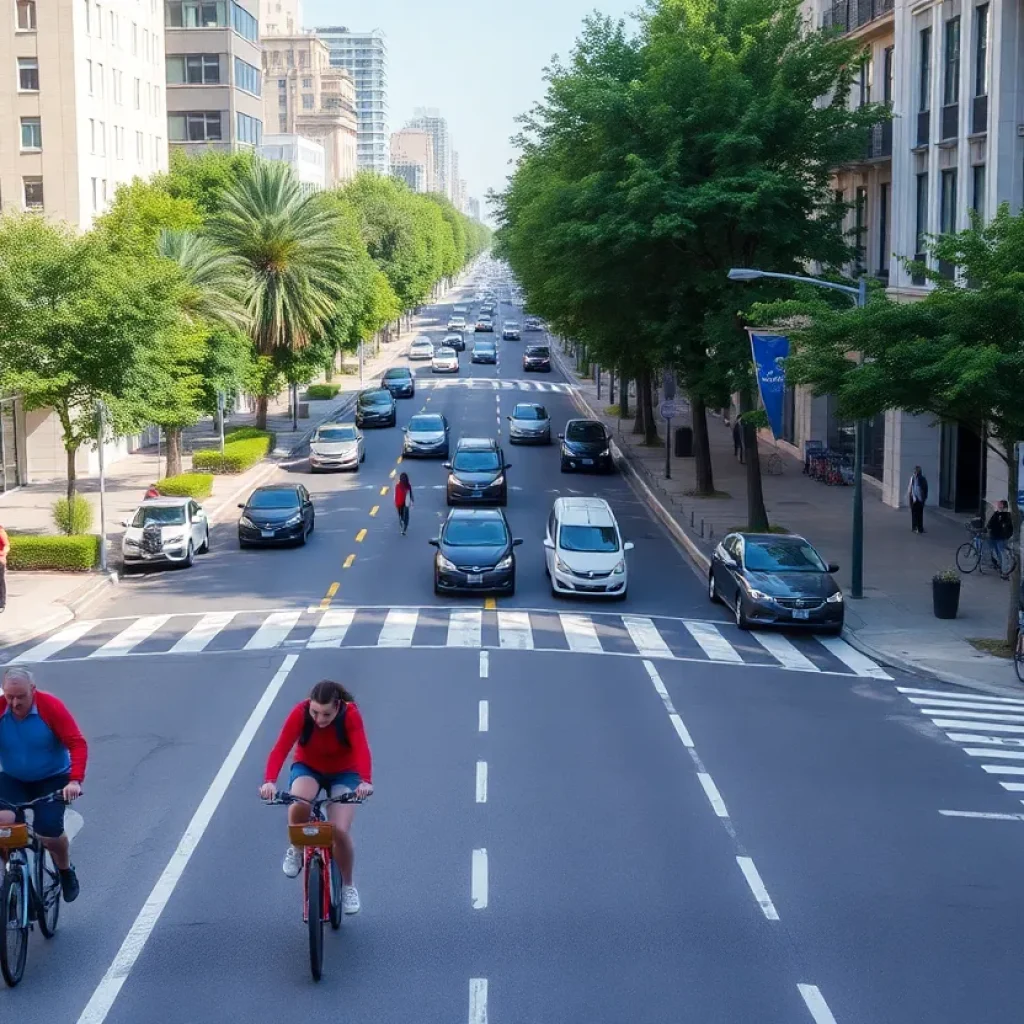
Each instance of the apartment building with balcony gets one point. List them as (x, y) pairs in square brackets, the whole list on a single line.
[(305, 95), (429, 120), (412, 159), (214, 77)]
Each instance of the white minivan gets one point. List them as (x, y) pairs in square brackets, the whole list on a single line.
[(583, 549)]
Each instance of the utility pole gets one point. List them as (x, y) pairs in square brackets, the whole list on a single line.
[(101, 436)]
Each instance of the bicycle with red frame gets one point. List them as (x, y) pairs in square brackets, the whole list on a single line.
[(321, 878)]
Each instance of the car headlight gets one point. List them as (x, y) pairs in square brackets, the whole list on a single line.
[(505, 563), (757, 595), (293, 520), (131, 543), (246, 521), (497, 481), (605, 453), (620, 568), (444, 563), (836, 598), (561, 566)]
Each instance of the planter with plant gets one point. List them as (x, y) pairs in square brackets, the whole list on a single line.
[(946, 594)]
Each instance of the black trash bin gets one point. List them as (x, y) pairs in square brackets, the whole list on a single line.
[(684, 442)]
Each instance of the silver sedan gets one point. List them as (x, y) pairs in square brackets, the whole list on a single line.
[(529, 424)]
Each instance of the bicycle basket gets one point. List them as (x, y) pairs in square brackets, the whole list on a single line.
[(312, 833), (977, 523), (13, 837)]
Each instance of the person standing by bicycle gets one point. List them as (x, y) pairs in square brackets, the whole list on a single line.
[(403, 501), (332, 754), (1000, 530), (42, 750)]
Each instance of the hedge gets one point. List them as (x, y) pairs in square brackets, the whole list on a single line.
[(322, 392), (73, 554), (187, 485), (243, 448)]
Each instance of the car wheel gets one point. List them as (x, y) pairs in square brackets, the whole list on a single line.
[(437, 589), (205, 548), (127, 569), (564, 467), (512, 589), (394, 420), (362, 458), (622, 596), (713, 589), (741, 618), (547, 571), (242, 543), (834, 631), (190, 556)]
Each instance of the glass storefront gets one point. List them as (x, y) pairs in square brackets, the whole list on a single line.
[(11, 419), (842, 436)]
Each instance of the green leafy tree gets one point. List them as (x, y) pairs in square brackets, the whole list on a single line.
[(203, 179)]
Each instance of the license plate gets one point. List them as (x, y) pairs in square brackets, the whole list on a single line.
[(478, 494), (267, 533), (588, 462), (475, 577), (801, 613)]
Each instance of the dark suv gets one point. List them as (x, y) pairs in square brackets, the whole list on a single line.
[(477, 473), (399, 381), (586, 445)]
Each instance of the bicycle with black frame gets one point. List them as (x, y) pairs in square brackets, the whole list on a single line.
[(971, 554)]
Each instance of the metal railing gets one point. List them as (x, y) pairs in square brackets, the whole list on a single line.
[(847, 15)]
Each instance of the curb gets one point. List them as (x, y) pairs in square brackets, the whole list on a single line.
[(66, 611)]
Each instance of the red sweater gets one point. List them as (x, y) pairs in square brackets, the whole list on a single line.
[(400, 492), (55, 714), (323, 753)]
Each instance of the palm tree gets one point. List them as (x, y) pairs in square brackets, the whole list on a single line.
[(292, 257)]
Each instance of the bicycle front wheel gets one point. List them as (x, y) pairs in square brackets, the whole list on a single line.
[(315, 916), (14, 947), (1018, 657), (47, 886), (336, 914), (967, 557)]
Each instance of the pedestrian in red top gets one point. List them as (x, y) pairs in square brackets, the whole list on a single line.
[(5, 548), (403, 500), (331, 754)]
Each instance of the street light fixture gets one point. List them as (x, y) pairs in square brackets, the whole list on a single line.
[(859, 294)]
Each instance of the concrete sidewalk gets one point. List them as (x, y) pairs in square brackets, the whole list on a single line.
[(894, 622)]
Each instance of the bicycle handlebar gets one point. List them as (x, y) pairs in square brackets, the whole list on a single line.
[(57, 795), (290, 798)]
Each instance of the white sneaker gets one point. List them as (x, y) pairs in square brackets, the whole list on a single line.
[(350, 899), (292, 862)]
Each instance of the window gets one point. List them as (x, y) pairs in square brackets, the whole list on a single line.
[(307, 83), (118, 92), (99, 80), (244, 23), (101, 138), (95, 195), (860, 229), (921, 229), (981, 51), (26, 15), (889, 71), (33, 190), (925, 61), (951, 83), (88, 17), (978, 191), (138, 93), (139, 144), (247, 78), (307, 101), (283, 123), (92, 135), (99, 22), (113, 29), (250, 130), (88, 70), (883, 229), (195, 13), (135, 38), (194, 69), (118, 142), (282, 84), (28, 74), (867, 76), (157, 144), (947, 211), (202, 126), (31, 133)]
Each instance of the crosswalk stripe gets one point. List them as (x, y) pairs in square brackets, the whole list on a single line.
[(712, 643), (998, 741), (56, 643), (852, 658), (398, 628), (1002, 769), (1010, 755), (785, 653), (199, 636), (580, 633), (645, 636), (273, 632), (465, 627), (334, 624), (967, 705), (1013, 787), (514, 632), (985, 716), (953, 695), (956, 723), (122, 644)]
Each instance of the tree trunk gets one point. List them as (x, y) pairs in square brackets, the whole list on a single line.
[(638, 423), (703, 471), (650, 424), (1012, 484), (757, 515), (261, 412), (329, 370), (173, 438), (70, 453), (623, 396)]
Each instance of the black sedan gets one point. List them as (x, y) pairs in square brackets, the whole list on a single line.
[(475, 552), (775, 579), (477, 474), (426, 435), (277, 514), (484, 352), (376, 408), (399, 381), (537, 357), (586, 445), (454, 340)]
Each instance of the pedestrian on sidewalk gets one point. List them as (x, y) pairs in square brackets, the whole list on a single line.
[(5, 547), (917, 495), (737, 439), (403, 501), (1000, 530)]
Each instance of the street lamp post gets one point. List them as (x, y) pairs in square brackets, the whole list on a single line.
[(859, 294)]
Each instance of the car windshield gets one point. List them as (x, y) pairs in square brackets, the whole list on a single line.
[(376, 398), (160, 515), (589, 538), (476, 462), (399, 373), (445, 353), (537, 350), (274, 499), (464, 533), (511, 323), (483, 346), (529, 412), (421, 424), (782, 556), (336, 434), (585, 432)]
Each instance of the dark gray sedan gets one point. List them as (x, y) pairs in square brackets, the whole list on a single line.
[(529, 424), (475, 553)]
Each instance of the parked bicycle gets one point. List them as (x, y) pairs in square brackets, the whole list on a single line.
[(30, 892), (972, 554), (321, 878)]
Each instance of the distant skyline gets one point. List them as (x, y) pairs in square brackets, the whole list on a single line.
[(481, 65)]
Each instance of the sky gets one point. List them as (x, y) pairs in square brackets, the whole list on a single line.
[(480, 62)]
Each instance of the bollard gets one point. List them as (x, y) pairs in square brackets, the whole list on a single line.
[(691, 518), (702, 528), (711, 532)]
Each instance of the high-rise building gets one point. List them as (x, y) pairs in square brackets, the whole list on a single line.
[(429, 119), (82, 103), (453, 189), (412, 159), (306, 158), (306, 96), (365, 56), (474, 207), (214, 81), (280, 17)]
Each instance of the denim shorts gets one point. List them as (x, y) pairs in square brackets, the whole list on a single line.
[(48, 817), (332, 785)]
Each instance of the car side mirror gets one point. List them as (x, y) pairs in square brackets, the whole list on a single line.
[(240, 505), (446, 465), (832, 567), (126, 523), (561, 437), (549, 543), (434, 543), (405, 430), (517, 541), (199, 514), (509, 418), (628, 546), (508, 465)]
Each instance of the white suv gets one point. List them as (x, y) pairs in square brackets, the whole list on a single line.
[(583, 549)]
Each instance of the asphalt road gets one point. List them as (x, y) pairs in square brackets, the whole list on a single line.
[(583, 813)]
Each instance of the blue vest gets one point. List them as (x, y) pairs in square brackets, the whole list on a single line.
[(29, 748)]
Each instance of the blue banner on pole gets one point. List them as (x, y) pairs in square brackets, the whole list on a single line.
[(769, 351)]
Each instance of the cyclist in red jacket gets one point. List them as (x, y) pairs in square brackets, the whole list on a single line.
[(331, 754)]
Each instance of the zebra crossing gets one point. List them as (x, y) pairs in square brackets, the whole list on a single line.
[(512, 629), (990, 729), (493, 384)]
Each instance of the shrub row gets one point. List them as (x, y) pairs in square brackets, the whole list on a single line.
[(243, 448), (322, 392), (76, 554), (187, 485)]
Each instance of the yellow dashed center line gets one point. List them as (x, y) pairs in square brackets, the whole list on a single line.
[(399, 460), (360, 536), (349, 561), (383, 490), (374, 510), (331, 591), (391, 476)]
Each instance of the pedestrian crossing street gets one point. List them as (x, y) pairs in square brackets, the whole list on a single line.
[(493, 384), (511, 629), (990, 729)]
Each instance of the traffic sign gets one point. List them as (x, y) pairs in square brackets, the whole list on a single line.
[(671, 410)]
